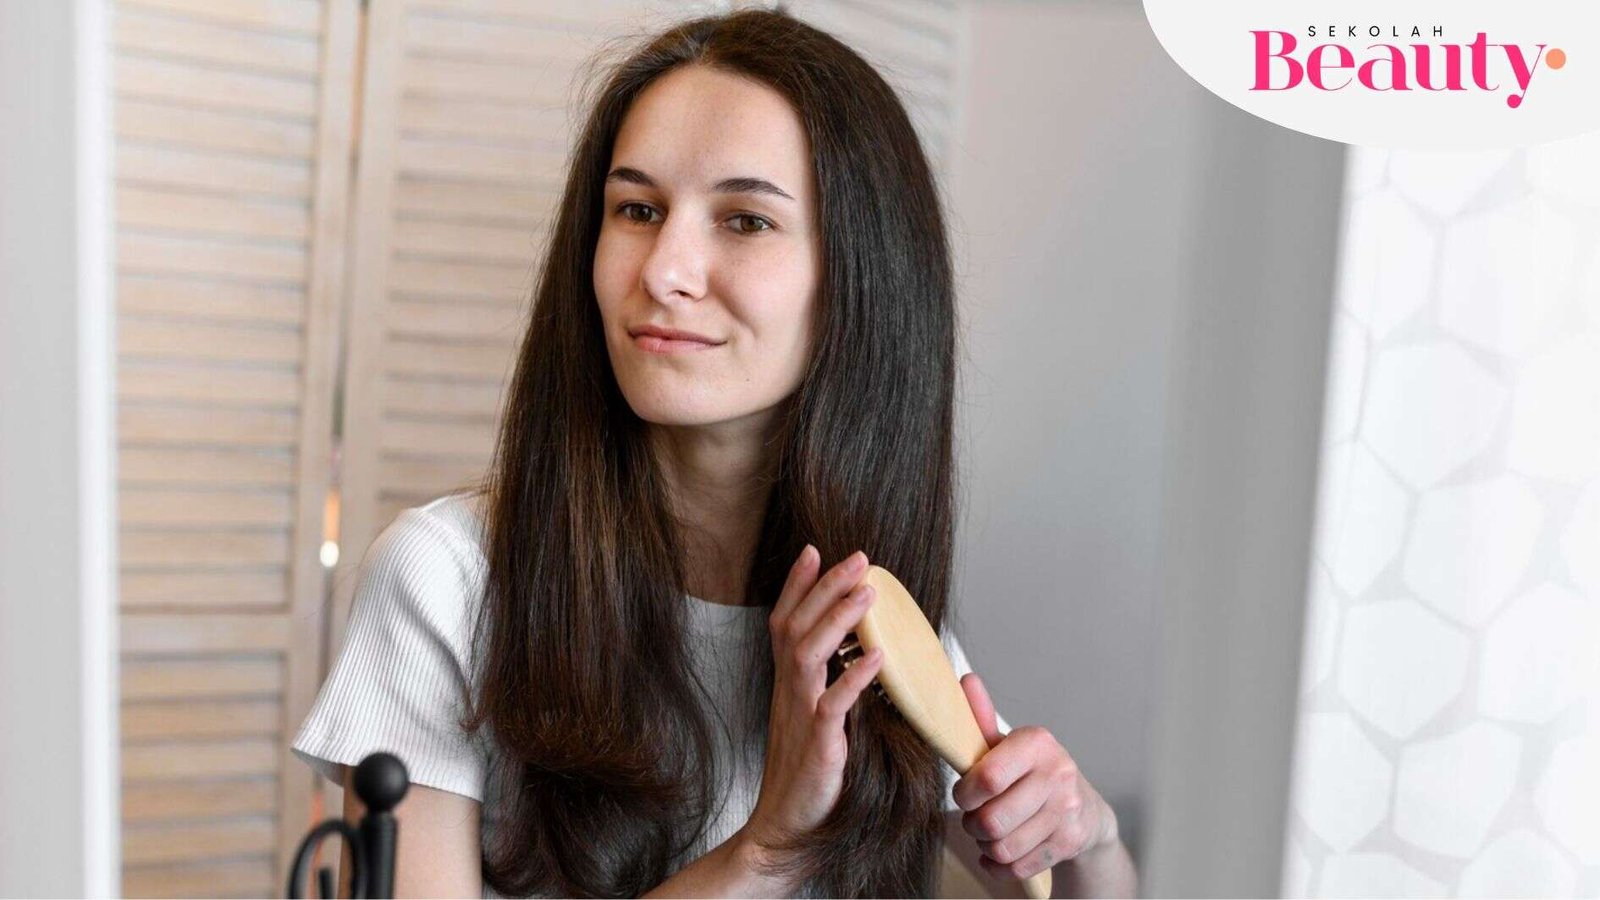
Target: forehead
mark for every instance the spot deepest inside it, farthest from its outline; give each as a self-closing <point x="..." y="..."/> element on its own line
<point x="696" y="125"/>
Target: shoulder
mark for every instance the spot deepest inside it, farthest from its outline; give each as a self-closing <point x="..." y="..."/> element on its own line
<point x="459" y="517"/>
<point x="428" y="562"/>
<point x="449" y="526"/>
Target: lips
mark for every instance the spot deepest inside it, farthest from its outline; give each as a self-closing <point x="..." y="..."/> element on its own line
<point x="670" y="334"/>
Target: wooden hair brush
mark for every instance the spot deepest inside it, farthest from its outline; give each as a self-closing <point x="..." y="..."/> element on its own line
<point x="918" y="681"/>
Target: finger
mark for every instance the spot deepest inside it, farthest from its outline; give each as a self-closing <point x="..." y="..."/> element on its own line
<point x="1040" y="858"/>
<point x="982" y="707"/>
<point x="802" y="575"/>
<point x="1000" y="816"/>
<point x="1005" y="763"/>
<point x="813" y="652"/>
<point x="843" y="693"/>
<point x="834" y="584"/>
<point x="1020" y="841"/>
<point x="1059" y="843"/>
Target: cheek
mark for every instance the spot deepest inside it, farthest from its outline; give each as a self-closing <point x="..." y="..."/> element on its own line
<point x="782" y="318"/>
<point x="775" y="287"/>
<point x="776" y="317"/>
<point x="612" y="271"/>
<point x="804" y="319"/>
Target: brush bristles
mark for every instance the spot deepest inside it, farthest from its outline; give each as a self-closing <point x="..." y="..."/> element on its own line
<point x="849" y="652"/>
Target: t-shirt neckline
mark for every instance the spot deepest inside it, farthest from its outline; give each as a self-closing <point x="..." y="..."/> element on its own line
<point x="708" y="611"/>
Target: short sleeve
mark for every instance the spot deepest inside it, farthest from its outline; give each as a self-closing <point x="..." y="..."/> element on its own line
<point x="958" y="660"/>
<point x="400" y="682"/>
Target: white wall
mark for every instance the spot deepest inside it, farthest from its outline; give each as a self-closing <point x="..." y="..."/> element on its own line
<point x="58" y="786"/>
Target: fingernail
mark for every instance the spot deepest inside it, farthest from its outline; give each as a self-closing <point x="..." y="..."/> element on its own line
<point x="863" y="593"/>
<point x="808" y="552"/>
<point x="858" y="561"/>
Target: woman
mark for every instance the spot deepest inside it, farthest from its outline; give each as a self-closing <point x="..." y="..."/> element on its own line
<point x="611" y="669"/>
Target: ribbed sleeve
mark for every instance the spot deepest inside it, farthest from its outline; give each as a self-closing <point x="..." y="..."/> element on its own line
<point x="401" y="678"/>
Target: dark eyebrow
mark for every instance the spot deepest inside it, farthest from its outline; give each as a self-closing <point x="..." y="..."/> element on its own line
<point x="741" y="185"/>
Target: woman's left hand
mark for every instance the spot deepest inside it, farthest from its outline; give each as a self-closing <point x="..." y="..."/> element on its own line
<point x="1025" y="802"/>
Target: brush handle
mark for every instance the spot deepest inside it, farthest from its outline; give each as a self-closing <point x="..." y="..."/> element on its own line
<point x="919" y="681"/>
<point x="962" y="745"/>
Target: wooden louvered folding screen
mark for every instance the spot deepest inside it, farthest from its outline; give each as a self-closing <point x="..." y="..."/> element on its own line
<point x="233" y="134"/>
<point x="243" y="243"/>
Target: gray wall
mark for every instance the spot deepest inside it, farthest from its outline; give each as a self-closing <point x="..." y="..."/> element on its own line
<point x="1073" y="185"/>
<point x="1103" y="208"/>
<point x="1244" y="419"/>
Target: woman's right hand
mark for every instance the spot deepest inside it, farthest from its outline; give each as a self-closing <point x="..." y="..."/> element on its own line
<point x="806" y="747"/>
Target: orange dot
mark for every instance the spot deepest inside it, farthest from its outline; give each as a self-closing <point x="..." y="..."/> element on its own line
<point x="1555" y="58"/>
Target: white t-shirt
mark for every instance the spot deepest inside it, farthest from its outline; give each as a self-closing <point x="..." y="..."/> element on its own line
<point x="400" y="675"/>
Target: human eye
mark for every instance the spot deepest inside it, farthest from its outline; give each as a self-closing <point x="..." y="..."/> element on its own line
<point x="753" y="219"/>
<point x="626" y="210"/>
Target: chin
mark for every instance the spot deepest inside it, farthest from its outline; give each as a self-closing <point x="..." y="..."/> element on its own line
<point x="689" y="402"/>
<point x="667" y="414"/>
<point x="670" y="412"/>
<point x="674" y="411"/>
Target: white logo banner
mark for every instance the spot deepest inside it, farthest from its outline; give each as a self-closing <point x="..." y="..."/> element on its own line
<point x="1468" y="74"/>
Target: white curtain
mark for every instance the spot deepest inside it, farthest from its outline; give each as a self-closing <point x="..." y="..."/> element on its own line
<point x="1448" y="742"/>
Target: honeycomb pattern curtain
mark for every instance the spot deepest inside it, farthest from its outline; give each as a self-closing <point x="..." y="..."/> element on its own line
<point x="1448" y="742"/>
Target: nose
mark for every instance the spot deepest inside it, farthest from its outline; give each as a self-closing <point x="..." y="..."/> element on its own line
<point x="675" y="268"/>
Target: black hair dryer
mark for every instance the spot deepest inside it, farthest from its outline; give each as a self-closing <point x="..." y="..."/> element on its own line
<point x="381" y="781"/>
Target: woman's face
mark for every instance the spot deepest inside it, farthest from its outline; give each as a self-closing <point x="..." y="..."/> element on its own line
<point x="708" y="228"/>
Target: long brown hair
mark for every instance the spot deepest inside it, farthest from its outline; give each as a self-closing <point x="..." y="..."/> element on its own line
<point x="586" y="682"/>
